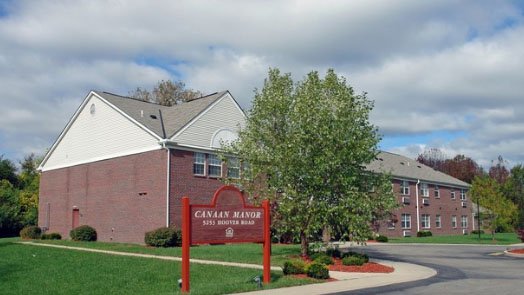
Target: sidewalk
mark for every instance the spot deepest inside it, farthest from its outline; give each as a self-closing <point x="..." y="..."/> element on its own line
<point x="347" y="281"/>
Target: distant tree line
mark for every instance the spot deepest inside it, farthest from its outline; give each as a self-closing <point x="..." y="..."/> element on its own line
<point x="500" y="191"/>
<point x="18" y="194"/>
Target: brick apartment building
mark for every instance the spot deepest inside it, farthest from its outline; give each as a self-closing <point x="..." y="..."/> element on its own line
<point x="429" y="199"/>
<point x="122" y="165"/>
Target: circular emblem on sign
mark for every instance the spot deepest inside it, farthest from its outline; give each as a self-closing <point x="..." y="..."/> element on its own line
<point x="229" y="232"/>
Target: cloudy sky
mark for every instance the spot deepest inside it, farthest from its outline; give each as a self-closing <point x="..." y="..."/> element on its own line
<point x="446" y="74"/>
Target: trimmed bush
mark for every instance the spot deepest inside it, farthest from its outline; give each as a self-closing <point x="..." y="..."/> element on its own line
<point x="334" y="252"/>
<point x="51" y="236"/>
<point x="353" y="260"/>
<point x="163" y="237"/>
<point x="424" y="233"/>
<point x="83" y="233"/>
<point x="318" y="271"/>
<point x="294" y="267"/>
<point x="476" y="232"/>
<point x="31" y="232"/>
<point x="362" y="256"/>
<point x="321" y="258"/>
<point x="382" y="239"/>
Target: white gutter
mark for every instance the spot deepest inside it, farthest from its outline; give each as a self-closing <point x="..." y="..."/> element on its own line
<point x="418" y="209"/>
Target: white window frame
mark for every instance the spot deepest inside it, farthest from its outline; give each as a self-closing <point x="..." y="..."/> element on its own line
<point x="454" y="221"/>
<point x="199" y="159"/>
<point x="213" y="161"/>
<point x="425" y="221"/>
<point x="462" y="194"/>
<point x="464" y="221"/>
<point x="452" y="194"/>
<point x="404" y="187"/>
<point x="233" y="164"/>
<point x="424" y="189"/>
<point x="437" y="192"/>
<point x="438" y="221"/>
<point x="405" y="221"/>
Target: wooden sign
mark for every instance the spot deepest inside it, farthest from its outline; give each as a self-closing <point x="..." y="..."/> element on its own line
<point x="226" y="220"/>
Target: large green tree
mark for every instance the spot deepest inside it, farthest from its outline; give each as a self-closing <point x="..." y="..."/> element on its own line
<point x="500" y="211"/>
<point x="310" y="142"/>
<point x="514" y="189"/>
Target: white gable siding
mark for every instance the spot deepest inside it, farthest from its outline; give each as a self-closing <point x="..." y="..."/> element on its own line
<point x="102" y="135"/>
<point x="223" y="115"/>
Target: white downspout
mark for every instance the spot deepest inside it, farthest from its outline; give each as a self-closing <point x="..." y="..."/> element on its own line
<point x="418" y="210"/>
<point x="168" y="170"/>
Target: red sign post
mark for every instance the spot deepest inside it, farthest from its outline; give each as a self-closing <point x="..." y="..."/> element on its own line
<point x="226" y="220"/>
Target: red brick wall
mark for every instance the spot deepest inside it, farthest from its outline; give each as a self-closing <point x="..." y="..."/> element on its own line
<point x="199" y="189"/>
<point x="121" y="198"/>
<point x="445" y="206"/>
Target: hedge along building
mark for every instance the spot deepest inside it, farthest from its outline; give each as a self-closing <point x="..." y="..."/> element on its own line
<point x="429" y="200"/>
<point x="122" y="165"/>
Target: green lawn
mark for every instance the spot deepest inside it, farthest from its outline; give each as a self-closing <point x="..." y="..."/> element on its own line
<point x="26" y="269"/>
<point x="245" y="253"/>
<point x="500" y="239"/>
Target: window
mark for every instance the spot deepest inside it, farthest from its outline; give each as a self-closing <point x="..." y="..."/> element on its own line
<point x="438" y="221"/>
<point x="405" y="221"/>
<point x="464" y="221"/>
<point x="404" y="187"/>
<point x="214" y="166"/>
<point x="454" y="221"/>
<point x="452" y="192"/>
<point x="424" y="190"/>
<point x="199" y="163"/>
<point x="437" y="192"/>
<point x="463" y="194"/>
<point x="425" y="221"/>
<point x="391" y="224"/>
<point x="233" y="167"/>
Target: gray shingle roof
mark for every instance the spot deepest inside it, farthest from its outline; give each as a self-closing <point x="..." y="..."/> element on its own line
<point x="406" y="168"/>
<point x="174" y="117"/>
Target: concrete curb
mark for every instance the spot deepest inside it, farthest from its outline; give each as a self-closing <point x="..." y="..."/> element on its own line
<point x="516" y="255"/>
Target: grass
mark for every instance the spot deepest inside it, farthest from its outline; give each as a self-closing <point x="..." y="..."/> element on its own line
<point x="244" y="253"/>
<point x="500" y="239"/>
<point x="26" y="269"/>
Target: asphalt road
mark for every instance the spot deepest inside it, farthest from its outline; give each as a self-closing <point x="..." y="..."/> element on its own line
<point x="461" y="269"/>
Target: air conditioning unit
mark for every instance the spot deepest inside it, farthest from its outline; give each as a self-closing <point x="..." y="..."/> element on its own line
<point x="464" y="231"/>
<point x="406" y="200"/>
<point x="425" y="201"/>
<point x="406" y="233"/>
<point x="463" y="204"/>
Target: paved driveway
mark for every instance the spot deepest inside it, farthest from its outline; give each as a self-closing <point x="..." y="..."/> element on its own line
<point x="461" y="269"/>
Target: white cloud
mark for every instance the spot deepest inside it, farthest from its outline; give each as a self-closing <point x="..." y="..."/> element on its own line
<point x="430" y="66"/>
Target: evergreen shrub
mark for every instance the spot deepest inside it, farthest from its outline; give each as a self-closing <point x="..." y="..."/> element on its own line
<point x="83" y="233"/>
<point x="31" y="232"/>
<point x="163" y="237"/>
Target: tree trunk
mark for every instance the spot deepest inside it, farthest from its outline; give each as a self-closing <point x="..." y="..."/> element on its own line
<point x="303" y="244"/>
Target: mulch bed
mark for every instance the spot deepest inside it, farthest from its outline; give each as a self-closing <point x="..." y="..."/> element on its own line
<point x="367" y="267"/>
<point x="517" y="251"/>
